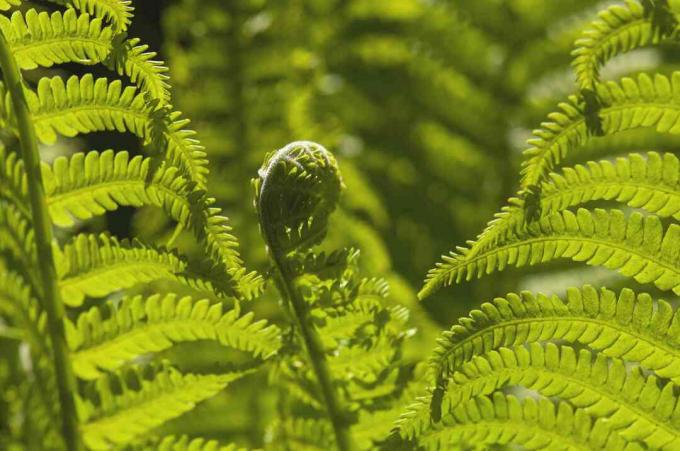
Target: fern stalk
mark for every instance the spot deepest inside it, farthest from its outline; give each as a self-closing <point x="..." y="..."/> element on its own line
<point x="269" y="196"/>
<point x="314" y="349"/>
<point x="43" y="242"/>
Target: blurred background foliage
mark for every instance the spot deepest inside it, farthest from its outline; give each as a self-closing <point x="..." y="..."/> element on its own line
<point x="426" y="103"/>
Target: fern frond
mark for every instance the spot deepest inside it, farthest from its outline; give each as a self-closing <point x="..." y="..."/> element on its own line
<point x="16" y="241"/>
<point x="132" y="59"/>
<point x="13" y="186"/>
<point x="624" y="325"/>
<point x="183" y="443"/>
<point x="504" y="419"/>
<point x="636" y="246"/>
<point x="651" y="184"/>
<point x="630" y="104"/>
<point x="19" y="305"/>
<point x="85" y="105"/>
<point x="43" y="39"/>
<point x="633" y="404"/>
<point x="118" y="12"/>
<point x="303" y="433"/>
<point x="620" y="28"/>
<point x="123" y="417"/>
<point x="86" y="185"/>
<point x="97" y="265"/>
<point x="138" y="326"/>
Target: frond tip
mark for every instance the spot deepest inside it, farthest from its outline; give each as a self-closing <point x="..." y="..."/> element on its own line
<point x="297" y="189"/>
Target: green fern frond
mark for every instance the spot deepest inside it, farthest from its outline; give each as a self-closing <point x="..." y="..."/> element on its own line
<point x="620" y="28"/>
<point x="97" y="265"/>
<point x="118" y="12"/>
<point x="651" y="184"/>
<point x="87" y="185"/>
<point x="43" y="39"/>
<point x="504" y="419"/>
<point x="634" y="405"/>
<point x="183" y="443"/>
<point x="132" y="59"/>
<point x="85" y="105"/>
<point x="125" y="414"/>
<point x="16" y="240"/>
<point x="630" y="104"/>
<point x="626" y="326"/>
<point x="13" y="181"/>
<point x="138" y="326"/>
<point x="18" y="304"/>
<point x="636" y="246"/>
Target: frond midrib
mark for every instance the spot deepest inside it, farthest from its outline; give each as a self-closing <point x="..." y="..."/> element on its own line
<point x="622" y="402"/>
<point x="660" y="344"/>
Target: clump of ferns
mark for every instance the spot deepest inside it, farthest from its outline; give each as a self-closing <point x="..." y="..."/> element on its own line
<point x="86" y="381"/>
<point x="601" y="366"/>
<point x="339" y="370"/>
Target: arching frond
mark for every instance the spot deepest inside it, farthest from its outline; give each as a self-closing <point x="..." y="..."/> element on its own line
<point x="504" y="419"/>
<point x="633" y="404"/>
<point x="86" y="185"/>
<point x="129" y="57"/>
<point x="636" y="246"/>
<point x="138" y="326"/>
<point x="122" y="417"/>
<point x="650" y="184"/>
<point x="96" y="265"/>
<point x="44" y="39"/>
<point x="85" y="105"/>
<point x="620" y="28"/>
<point x="630" y="104"/>
<point x="626" y="326"/>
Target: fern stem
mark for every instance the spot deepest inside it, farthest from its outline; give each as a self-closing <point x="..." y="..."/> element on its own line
<point x="52" y="303"/>
<point x="314" y="350"/>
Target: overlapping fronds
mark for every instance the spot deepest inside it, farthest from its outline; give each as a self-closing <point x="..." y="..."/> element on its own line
<point x="504" y="419"/>
<point x="97" y="265"/>
<point x="87" y="185"/>
<point x="637" y="246"/>
<point x="620" y="28"/>
<point x="138" y="326"/>
<point x="632" y="103"/>
<point x="118" y="405"/>
<point x="124" y="414"/>
<point x="43" y="39"/>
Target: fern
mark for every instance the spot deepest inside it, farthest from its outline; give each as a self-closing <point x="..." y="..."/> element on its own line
<point x="140" y="326"/>
<point x="128" y="391"/>
<point x="608" y="356"/>
<point x="122" y="417"/>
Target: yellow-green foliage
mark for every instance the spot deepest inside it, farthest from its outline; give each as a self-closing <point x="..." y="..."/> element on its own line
<point x="161" y="338"/>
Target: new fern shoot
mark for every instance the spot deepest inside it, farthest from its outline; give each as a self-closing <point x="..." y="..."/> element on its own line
<point x="132" y="319"/>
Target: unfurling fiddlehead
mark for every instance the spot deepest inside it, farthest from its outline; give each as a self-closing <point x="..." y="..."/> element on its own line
<point x="297" y="189"/>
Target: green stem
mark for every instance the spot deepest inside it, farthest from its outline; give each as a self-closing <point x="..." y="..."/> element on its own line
<point x="51" y="301"/>
<point x="315" y="351"/>
<point x="309" y="335"/>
